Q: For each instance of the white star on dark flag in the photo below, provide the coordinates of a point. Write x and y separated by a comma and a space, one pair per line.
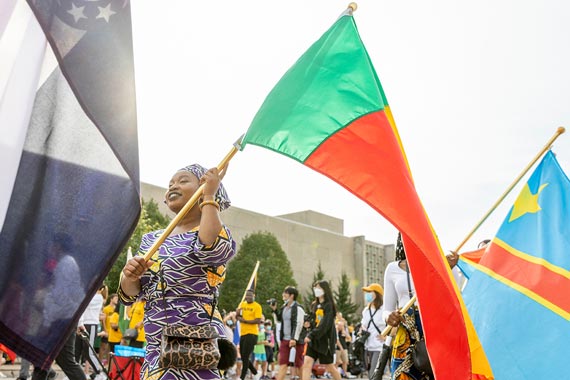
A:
76, 12
106, 12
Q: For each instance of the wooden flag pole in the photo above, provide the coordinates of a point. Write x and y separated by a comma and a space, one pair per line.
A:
250, 281
404, 309
548, 145
191, 202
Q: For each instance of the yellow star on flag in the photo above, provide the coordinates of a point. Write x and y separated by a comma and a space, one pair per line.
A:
527, 202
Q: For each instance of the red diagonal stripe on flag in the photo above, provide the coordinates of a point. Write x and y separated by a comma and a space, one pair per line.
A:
535, 277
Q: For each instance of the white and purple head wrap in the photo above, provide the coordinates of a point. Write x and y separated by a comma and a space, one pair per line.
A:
221, 195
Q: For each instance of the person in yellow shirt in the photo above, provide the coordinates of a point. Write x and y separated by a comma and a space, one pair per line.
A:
136, 316
107, 311
249, 316
115, 334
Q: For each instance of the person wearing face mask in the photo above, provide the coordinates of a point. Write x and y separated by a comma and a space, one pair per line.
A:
321, 341
230, 323
269, 346
373, 323
259, 352
291, 316
232, 329
249, 316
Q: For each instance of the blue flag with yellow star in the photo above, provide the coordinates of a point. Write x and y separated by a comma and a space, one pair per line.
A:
518, 295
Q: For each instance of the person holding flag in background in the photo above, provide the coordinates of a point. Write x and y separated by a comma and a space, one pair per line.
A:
249, 316
399, 290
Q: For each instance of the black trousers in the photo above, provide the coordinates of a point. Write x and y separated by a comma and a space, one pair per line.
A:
66, 360
246, 345
89, 352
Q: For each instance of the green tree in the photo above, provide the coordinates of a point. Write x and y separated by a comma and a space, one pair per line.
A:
310, 296
273, 275
343, 299
151, 219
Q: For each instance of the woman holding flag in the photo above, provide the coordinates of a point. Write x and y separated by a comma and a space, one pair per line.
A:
398, 291
180, 282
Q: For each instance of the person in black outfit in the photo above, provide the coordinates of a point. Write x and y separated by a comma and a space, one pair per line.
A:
321, 340
66, 360
307, 327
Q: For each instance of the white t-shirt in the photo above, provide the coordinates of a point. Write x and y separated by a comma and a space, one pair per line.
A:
65, 293
91, 314
375, 340
396, 290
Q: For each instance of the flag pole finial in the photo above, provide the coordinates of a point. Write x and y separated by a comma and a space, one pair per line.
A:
353, 6
561, 130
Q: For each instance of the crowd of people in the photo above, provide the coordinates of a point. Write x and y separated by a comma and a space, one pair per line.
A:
321, 335
87, 351
306, 344
179, 287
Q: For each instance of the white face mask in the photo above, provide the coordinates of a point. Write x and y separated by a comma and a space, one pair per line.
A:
318, 292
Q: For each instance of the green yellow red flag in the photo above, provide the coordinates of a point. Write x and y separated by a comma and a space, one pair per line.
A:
330, 113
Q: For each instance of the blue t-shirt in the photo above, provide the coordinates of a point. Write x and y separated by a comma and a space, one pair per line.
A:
236, 334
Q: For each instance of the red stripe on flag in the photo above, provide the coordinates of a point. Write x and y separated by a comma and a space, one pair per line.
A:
474, 256
535, 277
366, 158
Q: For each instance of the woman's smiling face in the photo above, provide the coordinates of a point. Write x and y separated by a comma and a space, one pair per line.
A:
180, 188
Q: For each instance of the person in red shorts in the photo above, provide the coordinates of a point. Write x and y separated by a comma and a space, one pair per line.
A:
291, 316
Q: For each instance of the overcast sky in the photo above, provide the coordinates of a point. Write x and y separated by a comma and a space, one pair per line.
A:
476, 89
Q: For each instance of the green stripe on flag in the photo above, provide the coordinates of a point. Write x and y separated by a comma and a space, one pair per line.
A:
331, 85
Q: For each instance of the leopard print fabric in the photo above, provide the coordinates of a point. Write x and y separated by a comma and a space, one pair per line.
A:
200, 332
190, 347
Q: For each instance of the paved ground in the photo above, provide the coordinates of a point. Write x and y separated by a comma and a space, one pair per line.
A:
11, 371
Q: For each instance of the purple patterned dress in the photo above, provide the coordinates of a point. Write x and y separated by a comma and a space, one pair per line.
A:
192, 273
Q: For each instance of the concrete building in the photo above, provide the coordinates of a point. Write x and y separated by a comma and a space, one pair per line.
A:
308, 238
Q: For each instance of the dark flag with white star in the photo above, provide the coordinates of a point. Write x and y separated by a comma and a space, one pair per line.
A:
70, 193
